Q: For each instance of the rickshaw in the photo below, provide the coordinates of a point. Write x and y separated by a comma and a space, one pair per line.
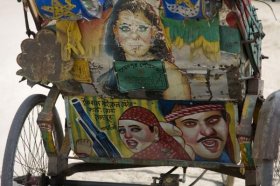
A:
145, 83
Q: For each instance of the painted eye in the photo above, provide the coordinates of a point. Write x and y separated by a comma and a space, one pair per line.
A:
213, 120
135, 129
122, 131
142, 28
189, 123
125, 28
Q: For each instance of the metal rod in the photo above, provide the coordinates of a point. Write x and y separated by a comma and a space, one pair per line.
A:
198, 178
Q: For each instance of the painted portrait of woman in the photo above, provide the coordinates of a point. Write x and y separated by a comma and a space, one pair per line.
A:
141, 133
134, 33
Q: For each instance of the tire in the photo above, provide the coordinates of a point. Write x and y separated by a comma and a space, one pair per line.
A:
25, 160
270, 172
266, 148
276, 170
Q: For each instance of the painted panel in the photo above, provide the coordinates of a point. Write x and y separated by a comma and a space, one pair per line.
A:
153, 129
71, 9
199, 60
185, 47
230, 44
191, 9
140, 75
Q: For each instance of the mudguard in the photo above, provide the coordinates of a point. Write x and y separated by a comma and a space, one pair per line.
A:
266, 140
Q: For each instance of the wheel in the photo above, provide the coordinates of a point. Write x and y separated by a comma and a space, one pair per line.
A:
270, 169
25, 160
276, 170
266, 148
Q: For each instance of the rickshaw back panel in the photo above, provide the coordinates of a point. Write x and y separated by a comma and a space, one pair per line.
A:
152, 129
146, 80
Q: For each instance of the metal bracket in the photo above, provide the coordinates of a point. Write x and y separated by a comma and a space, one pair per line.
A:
168, 179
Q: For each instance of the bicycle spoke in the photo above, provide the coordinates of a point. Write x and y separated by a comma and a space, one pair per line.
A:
30, 154
25, 155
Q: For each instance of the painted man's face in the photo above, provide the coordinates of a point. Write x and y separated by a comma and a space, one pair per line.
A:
133, 32
136, 135
205, 132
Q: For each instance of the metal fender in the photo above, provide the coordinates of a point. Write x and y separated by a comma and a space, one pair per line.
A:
267, 135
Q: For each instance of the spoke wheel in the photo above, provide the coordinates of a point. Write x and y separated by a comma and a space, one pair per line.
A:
25, 160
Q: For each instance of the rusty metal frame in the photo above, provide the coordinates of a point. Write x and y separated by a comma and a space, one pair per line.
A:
97, 164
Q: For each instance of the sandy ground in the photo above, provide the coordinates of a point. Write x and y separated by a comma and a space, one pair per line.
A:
12, 93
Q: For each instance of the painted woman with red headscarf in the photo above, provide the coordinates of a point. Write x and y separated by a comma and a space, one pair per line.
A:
142, 134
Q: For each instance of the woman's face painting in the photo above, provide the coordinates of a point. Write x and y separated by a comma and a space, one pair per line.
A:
133, 32
136, 135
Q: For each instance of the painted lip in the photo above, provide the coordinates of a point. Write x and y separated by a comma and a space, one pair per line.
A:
137, 45
210, 143
132, 144
135, 48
